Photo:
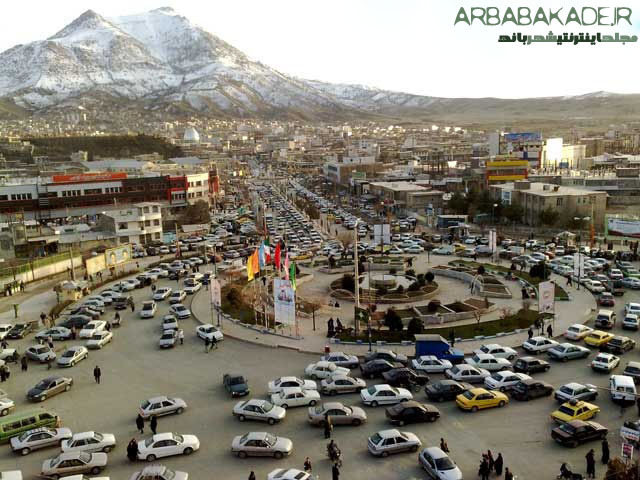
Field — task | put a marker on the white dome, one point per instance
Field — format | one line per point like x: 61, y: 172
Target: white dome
x: 191, y: 135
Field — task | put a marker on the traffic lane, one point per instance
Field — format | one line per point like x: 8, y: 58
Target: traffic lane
x: 131, y: 374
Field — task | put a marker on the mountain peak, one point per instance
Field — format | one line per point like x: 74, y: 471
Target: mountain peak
x: 88, y: 20
x: 166, y: 10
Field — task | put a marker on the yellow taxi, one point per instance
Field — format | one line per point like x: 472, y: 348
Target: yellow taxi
x: 478, y: 398
x: 597, y: 338
x: 575, y: 410
x: 458, y: 247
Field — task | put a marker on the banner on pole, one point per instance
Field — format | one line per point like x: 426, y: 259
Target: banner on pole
x: 493, y: 239
x: 382, y: 234
x: 578, y: 265
x: 284, y: 302
x: 546, y: 297
x: 627, y: 451
x: 216, y: 297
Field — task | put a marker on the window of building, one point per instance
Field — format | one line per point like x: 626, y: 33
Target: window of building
x: 147, y: 223
x: 123, y: 226
x: 199, y: 183
x: 124, y: 239
x: 559, y: 202
x: 21, y: 196
x: 146, y: 210
x: 155, y: 209
x: 156, y: 223
x: 156, y: 235
x: 198, y: 194
x: 93, y: 191
x: 4, y: 197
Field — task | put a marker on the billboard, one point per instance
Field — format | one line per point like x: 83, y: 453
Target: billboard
x: 284, y: 302
x: 89, y: 177
x: 546, y: 297
x: 216, y: 296
x: 554, y: 151
x: 578, y: 265
x: 95, y: 264
x: 382, y: 234
x: 622, y: 227
x: 522, y: 137
x: 118, y: 255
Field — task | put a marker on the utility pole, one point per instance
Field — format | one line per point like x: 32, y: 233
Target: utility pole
x: 357, y: 283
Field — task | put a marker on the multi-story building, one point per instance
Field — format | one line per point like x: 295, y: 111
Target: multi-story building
x: 506, y: 168
x: 140, y: 223
x: 536, y: 197
x: 407, y: 195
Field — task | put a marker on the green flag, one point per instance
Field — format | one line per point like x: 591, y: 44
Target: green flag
x: 292, y: 275
x: 361, y: 314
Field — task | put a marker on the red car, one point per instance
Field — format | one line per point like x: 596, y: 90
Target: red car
x: 606, y: 300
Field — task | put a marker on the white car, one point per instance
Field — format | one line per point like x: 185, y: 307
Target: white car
x: 504, y: 380
x: 260, y: 410
x: 289, y: 474
x: 295, y: 397
x: 159, y: 406
x: 156, y: 273
x: 98, y: 299
x: 167, y: 444
x: 489, y: 362
x: 109, y: 296
x: 594, y: 286
x: 148, y: 309
x: 72, y: 355
x: 191, y: 286
x: 209, y: 331
x: 170, y: 322
x: 99, y: 339
x: 177, y: 296
x: 276, y: 386
x: 438, y: 465
x: 6, y: 404
x: 630, y: 322
x: 323, y: 369
x: 632, y: 307
x: 384, y: 394
x: 123, y: 286
x: 38, y: 438
x: 464, y: 372
x: 261, y: 444
x: 91, y: 328
x: 538, y: 344
x: 40, y: 353
x: 605, y: 362
x: 414, y: 249
x: 577, y: 331
x: 4, y: 330
x: 498, y: 351
x: 387, y: 442
x: 134, y: 281
x: 168, y: 339
x: 162, y: 293
x: 616, y: 274
x: 89, y: 442
x: 180, y: 311
x: 56, y: 333
x: 430, y: 364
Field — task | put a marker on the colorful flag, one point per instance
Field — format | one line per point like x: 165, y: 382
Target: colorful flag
x: 267, y: 251
x: 286, y: 266
x: 250, y: 272
x: 292, y: 276
x: 255, y: 262
x: 261, y: 256
x: 277, y: 257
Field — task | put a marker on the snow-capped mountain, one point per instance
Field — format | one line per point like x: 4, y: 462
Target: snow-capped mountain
x: 154, y: 57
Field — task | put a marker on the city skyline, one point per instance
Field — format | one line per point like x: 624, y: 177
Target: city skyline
x: 408, y: 47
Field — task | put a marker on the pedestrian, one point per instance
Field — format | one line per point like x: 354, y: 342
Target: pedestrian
x: 22, y: 285
x: 452, y: 337
x: 591, y: 464
x: 153, y: 287
x: 497, y: 465
x: 207, y: 343
x: 181, y: 336
x: 483, y: 471
x: 330, y: 328
x: 507, y: 474
x: 307, y: 465
x: 132, y: 448
x: 43, y: 317
x: 50, y: 344
x: 108, y: 326
x: 328, y: 426
x: 252, y: 476
x: 3, y: 374
x: 153, y: 424
x: 569, y: 281
x: 49, y: 363
x: 530, y: 333
x: 490, y: 460
x: 550, y: 331
x: 443, y: 446
x: 335, y: 472
x: 133, y: 307
x: 24, y: 363
x: 339, y: 326
x: 605, y: 451
x: 140, y: 423
x: 97, y: 373
x: 638, y: 404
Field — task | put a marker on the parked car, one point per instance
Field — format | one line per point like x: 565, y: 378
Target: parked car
x: 411, y: 412
x: 466, y: 373
x: 40, y: 353
x: 575, y: 392
x: 567, y: 351
x: 166, y: 445
x: 504, y: 380
x: 341, y: 359
x: 489, y: 362
x: 531, y: 388
x: 573, y: 433
x: 261, y: 444
x: 100, y: 339
x: 497, y: 351
x: 20, y: 330
x: 324, y: 369
x: 388, y: 355
x: 339, y: 413
x: 445, y: 390
x: 577, y: 331
x: 630, y: 322
x: 260, y: 410
x: 430, y: 364
x: 55, y: 333
x: 280, y: 383
x: 438, y: 465
x: 160, y: 406
x: 168, y: 339
x: 632, y: 369
x: 235, y: 384
x: 530, y: 365
x: 604, y: 362
x: 49, y: 387
x: 179, y: 311
x: 376, y: 367
x: 575, y: 410
x: 386, y: 442
x: 74, y: 462
x: 38, y: 438
x: 480, y: 398
x: 72, y: 355
x: 384, y: 395
x: 598, y: 338
x: 404, y: 377
x: 295, y: 397
x: 342, y: 384
x: 89, y: 442
x: 148, y: 309
x: 619, y: 345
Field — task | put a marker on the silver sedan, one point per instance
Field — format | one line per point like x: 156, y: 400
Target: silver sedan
x: 261, y: 444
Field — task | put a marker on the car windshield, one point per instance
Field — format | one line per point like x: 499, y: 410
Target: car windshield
x: 267, y: 407
x: 147, y: 306
x: 468, y: 395
x: 371, y: 390
x: 148, y: 442
x: 167, y: 335
x: 566, y: 410
x: 178, y: 438
x: 567, y: 390
x: 84, y: 457
x: 631, y: 369
x: 455, y: 370
x: 444, y: 463
x: 270, y: 439
x: 476, y: 358
x: 69, y: 353
x: 97, y: 336
x: 497, y: 376
x: 145, y: 404
x: 375, y: 438
x: 98, y: 436
x: 568, y: 428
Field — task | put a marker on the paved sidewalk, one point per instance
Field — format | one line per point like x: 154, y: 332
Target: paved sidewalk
x: 580, y: 309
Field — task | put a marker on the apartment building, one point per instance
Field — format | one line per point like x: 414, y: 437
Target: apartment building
x: 140, y: 223
x: 407, y: 195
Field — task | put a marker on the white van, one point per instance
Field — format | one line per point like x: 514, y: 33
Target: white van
x: 622, y: 388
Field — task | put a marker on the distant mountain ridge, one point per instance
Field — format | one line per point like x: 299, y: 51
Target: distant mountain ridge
x: 159, y: 59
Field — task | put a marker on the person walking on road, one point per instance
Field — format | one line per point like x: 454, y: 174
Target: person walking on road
x: 24, y: 363
x: 507, y: 474
x: 97, y: 373
x: 530, y: 333
x: 591, y: 464
x: 328, y: 426
x: 153, y: 424
x: 132, y: 450
x: 497, y: 465
x: 252, y: 476
x: 181, y: 336
x: 550, y: 331
x: 307, y: 465
x: 207, y: 343
x: 483, y: 471
x: 335, y: 472
x: 605, y: 451
x: 490, y: 460
x: 443, y: 446
x: 140, y: 423
x: 133, y: 306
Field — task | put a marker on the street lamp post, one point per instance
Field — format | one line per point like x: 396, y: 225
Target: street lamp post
x: 493, y: 213
x: 356, y: 320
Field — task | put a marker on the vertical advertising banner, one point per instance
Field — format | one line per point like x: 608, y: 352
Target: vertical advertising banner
x: 546, y: 297
x: 578, y: 265
x: 216, y: 298
x: 493, y: 241
x: 382, y: 234
x: 284, y: 302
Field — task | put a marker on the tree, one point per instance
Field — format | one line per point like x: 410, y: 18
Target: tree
x: 429, y: 277
x: 348, y: 283
x: 513, y: 212
x: 400, y: 289
x: 481, y: 270
x: 414, y: 287
x: 197, y: 213
x: 549, y: 216
x: 458, y: 204
x: 416, y: 326
x: 539, y: 271
x: 393, y: 321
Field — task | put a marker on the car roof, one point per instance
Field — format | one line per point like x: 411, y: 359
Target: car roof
x: 162, y: 436
x: 477, y: 391
x: 286, y: 379
x: 69, y: 455
x: 573, y: 385
x: 292, y: 390
x: 154, y: 470
x: 82, y: 435
x: 435, y: 452
x: 323, y: 363
x: 256, y: 401
x: 157, y: 399
x: 256, y: 435
x: 330, y: 405
x: 389, y: 433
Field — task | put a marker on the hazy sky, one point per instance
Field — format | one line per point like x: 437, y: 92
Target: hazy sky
x: 404, y: 45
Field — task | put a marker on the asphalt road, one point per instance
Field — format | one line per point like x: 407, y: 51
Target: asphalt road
x: 134, y: 369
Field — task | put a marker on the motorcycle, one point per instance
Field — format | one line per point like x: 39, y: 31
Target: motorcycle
x: 334, y: 454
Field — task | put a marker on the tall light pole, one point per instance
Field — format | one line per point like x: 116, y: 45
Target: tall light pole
x: 356, y: 321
